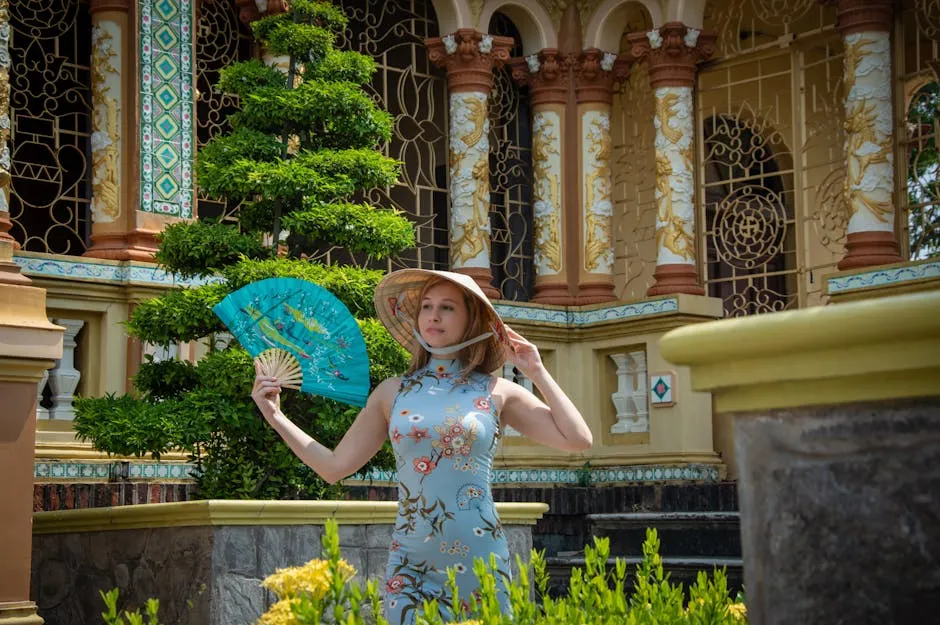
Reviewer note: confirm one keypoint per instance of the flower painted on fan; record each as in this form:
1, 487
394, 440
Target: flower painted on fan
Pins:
395, 584
479, 531
424, 465
395, 545
418, 434
460, 568
415, 418
396, 436
454, 437
482, 403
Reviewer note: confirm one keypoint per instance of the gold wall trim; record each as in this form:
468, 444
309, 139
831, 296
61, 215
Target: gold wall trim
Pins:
886, 348
222, 512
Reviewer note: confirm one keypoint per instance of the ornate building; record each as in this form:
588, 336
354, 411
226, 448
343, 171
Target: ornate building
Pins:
607, 169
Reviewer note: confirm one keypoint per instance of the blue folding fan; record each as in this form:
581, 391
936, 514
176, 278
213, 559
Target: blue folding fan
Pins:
302, 335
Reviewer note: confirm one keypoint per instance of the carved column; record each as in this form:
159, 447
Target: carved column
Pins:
869, 159
469, 58
547, 76
595, 74
5, 151
672, 53
143, 122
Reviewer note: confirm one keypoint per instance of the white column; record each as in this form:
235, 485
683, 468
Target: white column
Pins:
868, 142
64, 377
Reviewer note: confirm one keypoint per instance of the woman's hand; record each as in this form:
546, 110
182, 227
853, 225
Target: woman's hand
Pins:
522, 354
266, 393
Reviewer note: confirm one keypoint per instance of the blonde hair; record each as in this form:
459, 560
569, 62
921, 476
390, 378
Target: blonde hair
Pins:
482, 357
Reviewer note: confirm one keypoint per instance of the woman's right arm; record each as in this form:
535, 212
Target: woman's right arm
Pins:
362, 440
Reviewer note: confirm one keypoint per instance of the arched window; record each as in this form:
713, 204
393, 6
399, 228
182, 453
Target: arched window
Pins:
749, 224
50, 139
922, 191
511, 252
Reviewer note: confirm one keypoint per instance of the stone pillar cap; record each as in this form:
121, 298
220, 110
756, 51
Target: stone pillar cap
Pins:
871, 350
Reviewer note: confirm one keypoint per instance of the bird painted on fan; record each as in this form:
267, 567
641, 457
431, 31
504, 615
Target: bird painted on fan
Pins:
270, 334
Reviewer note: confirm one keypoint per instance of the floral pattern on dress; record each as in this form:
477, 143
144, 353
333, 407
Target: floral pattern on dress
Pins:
444, 430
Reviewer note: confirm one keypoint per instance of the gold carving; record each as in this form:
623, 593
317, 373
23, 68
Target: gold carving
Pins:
598, 220
478, 116
105, 136
547, 226
860, 122
672, 232
664, 112
474, 237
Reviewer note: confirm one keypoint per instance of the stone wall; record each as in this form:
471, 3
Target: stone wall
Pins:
206, 574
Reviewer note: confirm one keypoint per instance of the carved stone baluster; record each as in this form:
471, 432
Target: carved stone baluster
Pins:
64, 377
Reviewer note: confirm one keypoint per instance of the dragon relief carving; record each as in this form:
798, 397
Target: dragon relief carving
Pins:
866, 145
105, 202
546, 194
598, 254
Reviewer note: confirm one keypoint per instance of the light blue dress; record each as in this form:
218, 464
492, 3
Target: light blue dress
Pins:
444, 435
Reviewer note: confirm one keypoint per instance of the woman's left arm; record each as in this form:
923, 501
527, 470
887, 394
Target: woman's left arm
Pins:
556, 422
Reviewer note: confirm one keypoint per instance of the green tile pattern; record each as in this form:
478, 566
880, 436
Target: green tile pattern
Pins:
166, 107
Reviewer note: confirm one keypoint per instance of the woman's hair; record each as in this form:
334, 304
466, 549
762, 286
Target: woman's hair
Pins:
484, 356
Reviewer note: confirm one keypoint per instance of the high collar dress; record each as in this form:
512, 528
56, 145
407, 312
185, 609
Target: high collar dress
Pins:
444, 433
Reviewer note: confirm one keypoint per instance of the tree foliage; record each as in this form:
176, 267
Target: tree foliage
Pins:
306, 139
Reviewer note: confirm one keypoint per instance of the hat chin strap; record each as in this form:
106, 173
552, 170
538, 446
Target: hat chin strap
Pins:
442, 351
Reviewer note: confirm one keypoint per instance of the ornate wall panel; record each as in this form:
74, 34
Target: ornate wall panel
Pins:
773, 217
918, 100
511, 220
221, 39
166, 107
50, 110
415, 93
634, 185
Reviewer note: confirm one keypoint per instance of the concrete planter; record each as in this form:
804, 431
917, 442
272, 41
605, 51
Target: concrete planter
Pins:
205, 560
837, 429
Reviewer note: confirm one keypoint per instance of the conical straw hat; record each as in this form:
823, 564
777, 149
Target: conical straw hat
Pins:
397, 304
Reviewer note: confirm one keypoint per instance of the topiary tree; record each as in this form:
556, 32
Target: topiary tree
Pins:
304, 142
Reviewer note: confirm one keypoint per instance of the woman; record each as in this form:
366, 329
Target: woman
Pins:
444, 418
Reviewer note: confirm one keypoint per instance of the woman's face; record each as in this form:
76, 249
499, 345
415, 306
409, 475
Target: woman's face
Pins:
443, 316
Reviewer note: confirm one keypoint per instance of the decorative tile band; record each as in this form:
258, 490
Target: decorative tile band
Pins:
883, 277
605, 475
129, 272
103, 470
115, 272
166, 107
574, 317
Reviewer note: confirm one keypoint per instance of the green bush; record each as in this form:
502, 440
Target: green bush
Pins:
302, 149
321, 592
